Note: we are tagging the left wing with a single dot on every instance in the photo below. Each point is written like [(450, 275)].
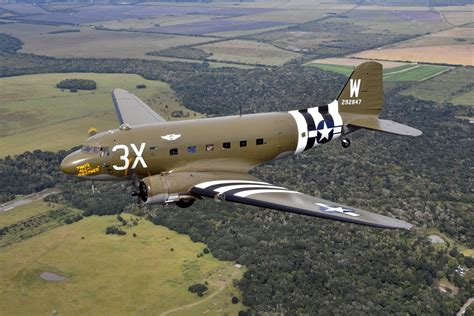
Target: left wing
[(133, 111), (266, 195)]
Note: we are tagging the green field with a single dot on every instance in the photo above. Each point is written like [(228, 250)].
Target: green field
[(34, 114), (113, 275), (414, 73), (343, 70), (401, 73), (27, 221), (24, 212), (454, 86)]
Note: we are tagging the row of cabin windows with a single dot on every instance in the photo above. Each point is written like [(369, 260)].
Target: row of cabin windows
[(210, 147)]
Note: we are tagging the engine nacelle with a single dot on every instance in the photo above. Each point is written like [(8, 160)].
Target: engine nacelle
[(167, 188)]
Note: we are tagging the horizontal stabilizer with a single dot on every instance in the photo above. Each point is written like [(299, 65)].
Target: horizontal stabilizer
[(387, 126)]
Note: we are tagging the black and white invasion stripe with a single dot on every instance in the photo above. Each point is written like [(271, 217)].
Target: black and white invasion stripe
[(229, 189), (317, 125)]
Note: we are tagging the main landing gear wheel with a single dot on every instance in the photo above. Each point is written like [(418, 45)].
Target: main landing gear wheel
[(185, 203), (345, 142)]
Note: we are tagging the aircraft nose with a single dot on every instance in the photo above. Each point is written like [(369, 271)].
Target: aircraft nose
[(69, 164)]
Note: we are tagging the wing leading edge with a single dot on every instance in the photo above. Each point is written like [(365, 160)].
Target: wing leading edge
[(266, 195), (133, 111)]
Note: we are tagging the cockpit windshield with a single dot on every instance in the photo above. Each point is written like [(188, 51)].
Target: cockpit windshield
[(101, 151)]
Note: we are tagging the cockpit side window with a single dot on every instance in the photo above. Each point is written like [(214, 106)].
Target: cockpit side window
[(87, 149), (101, 151), (104, 151)]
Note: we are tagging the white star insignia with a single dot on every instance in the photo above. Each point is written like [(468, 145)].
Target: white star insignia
[(325, 131)]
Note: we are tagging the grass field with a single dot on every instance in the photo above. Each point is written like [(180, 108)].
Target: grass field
[(144, 23), (388, 21), (455, 36), (454, 86), (248, 52), (24, 212), (400, 73), (27, 221), (441, 54), (37, 115), (413, 73), (340, 69), (354, 62), (113, 275), (92, 43)]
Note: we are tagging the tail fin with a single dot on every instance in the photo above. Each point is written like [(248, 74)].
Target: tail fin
[(361, 101), (363, 92)]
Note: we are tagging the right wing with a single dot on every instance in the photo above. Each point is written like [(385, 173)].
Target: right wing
[(133, 111), (263, 194)]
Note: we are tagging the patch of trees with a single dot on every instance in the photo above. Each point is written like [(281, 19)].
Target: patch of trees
[(6, 196), (198, 288), (114, 230), (30, 172), (9, 44), (73, 219), (77, 84), (64, 31), (182, 52)]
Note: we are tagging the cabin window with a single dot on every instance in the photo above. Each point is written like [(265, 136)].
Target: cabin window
[(259, 141), (104, 151), (243, 143), (210, 147), (226, 145), (153, 147), (191, 149), (173, 151)]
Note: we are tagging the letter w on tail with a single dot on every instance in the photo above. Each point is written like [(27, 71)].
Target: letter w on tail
[(355, 86)]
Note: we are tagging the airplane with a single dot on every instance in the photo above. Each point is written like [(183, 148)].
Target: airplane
[(180, 162)]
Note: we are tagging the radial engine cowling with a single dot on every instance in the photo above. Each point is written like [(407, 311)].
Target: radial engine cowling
[(165, 189)]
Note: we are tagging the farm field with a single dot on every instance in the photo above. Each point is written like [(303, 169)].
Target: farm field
[(93, 43), (456, 36), (142, 272), (62, 117), (27, 221), (144, 23), (458, 18), (354, 31), (442, 54), (454, 86), (401, 73), (393, 21), (24, 212), (248, 52), (354, 62)]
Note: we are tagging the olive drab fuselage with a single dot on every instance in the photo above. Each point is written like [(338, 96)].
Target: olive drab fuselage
[(231, 144)]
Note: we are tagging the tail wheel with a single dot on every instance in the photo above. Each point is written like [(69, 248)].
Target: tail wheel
[(185, 203), (345, 142)]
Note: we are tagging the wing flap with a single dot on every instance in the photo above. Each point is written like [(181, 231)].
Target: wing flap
[(133, 111), (266, 195)]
